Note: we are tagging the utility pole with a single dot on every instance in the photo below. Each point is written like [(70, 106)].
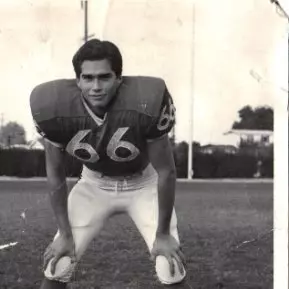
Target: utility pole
[(85, 21), (84, 6), (191, 117)]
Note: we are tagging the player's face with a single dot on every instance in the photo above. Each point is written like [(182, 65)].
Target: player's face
[(98, 83)]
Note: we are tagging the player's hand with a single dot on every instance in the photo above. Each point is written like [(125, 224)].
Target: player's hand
[(61, 246), (167, 246)]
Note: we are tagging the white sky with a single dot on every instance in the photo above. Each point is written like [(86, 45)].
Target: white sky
[(39, 37)]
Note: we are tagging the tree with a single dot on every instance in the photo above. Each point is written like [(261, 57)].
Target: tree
[(12, 133), (260, 118)]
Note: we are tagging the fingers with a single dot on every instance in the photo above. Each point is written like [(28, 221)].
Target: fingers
[(73, 259), (182, 256), (179, 262), (153, 255), (48, 254), (171, 264), (73, 256), (53, 263), (170, 253), (45, 262)]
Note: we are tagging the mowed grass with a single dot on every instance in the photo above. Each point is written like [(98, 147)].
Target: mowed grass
[(225, 229)]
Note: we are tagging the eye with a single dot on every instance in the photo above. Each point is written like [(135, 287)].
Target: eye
[(87, 77), (105, 76)]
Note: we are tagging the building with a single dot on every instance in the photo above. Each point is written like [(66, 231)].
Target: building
[(260, 137), (210, 149), (36, 144)]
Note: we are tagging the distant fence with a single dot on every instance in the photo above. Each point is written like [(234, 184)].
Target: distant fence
[(221, 165), (30, 163)]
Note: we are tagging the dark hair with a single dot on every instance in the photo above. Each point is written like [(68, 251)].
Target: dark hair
[(96, 49)]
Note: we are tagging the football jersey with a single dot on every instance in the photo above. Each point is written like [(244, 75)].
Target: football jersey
[(142, 110)]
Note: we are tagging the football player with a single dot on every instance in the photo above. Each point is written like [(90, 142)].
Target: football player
[(117, 126)]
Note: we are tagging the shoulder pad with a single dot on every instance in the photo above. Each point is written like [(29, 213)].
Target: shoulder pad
[(143, 94), (58, 98)]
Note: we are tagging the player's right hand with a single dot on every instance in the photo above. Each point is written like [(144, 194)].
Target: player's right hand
[(61, 246), (167, 246)]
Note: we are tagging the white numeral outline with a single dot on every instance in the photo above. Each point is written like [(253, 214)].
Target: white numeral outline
[(76, 144), (166, 118), (114, 144)]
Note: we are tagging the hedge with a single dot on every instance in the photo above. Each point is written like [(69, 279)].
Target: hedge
[(30, 163)]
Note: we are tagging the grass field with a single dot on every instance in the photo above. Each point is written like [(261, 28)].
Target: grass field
[(225, 228)]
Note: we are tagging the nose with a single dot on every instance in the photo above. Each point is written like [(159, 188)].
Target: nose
[(96, 85)]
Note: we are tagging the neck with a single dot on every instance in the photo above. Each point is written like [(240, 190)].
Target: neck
[(99, 112)]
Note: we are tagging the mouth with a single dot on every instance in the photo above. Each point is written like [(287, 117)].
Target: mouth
[(97, 96)]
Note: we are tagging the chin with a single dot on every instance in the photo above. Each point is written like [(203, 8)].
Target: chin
[(96, 103)]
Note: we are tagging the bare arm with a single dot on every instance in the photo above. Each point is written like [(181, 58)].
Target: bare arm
[(161, 157), (57, 185)]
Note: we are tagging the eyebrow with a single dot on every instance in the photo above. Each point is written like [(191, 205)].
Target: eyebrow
[(97, 75)]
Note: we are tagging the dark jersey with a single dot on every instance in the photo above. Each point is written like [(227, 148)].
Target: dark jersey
[(141, 111)]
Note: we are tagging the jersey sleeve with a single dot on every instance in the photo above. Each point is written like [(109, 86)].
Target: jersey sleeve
[(47, 134), (164, 121), (43, 105)]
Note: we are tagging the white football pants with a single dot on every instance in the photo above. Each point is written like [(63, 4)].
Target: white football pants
[(95, 198)]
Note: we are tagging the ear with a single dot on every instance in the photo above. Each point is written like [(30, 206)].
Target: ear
[(119, 80), (77, 80)]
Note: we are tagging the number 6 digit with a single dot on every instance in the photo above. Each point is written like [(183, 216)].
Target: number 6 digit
[(166, 118), (76, 144), (116, 143)]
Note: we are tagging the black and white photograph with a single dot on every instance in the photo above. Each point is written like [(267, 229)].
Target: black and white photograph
[(144, 144)]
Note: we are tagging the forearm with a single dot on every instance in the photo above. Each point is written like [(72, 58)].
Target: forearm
[(166, 200), (58, 199), (58, 194)]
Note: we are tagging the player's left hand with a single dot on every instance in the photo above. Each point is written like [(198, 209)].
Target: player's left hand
[(167, 246), (61, 246)]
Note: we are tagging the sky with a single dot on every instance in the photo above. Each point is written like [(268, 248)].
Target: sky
[(222, 54)]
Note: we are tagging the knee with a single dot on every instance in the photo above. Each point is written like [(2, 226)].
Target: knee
[(63, 270), (163, 272)]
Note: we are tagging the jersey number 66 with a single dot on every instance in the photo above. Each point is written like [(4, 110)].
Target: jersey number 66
[(115, 143)]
